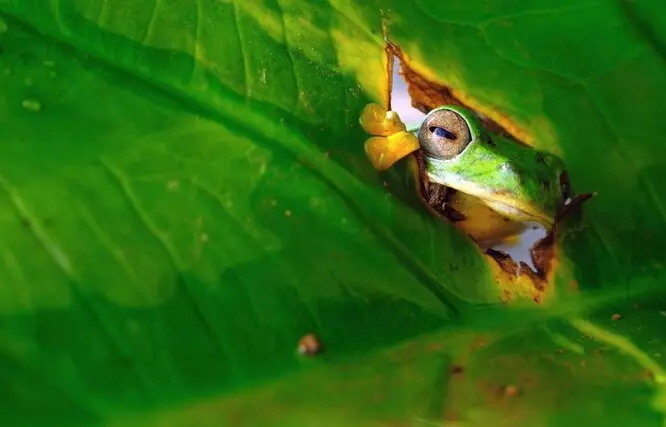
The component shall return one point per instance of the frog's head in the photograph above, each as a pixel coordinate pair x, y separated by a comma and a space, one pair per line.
517, 181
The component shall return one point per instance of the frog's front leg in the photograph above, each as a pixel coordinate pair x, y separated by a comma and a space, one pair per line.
437, 196
390, 140
572, 203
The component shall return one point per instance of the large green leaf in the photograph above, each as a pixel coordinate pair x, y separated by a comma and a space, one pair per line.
185, 194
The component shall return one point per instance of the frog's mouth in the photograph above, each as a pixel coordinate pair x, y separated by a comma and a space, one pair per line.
501, 203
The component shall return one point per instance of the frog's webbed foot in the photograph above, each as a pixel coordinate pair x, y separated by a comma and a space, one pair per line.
390, 140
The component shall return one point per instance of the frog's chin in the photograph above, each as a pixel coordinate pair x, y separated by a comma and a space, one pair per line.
501, 205
516, 214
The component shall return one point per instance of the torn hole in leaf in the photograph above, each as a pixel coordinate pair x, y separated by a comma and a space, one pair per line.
523, 252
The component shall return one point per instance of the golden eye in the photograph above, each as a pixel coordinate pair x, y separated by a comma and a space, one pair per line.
444, 135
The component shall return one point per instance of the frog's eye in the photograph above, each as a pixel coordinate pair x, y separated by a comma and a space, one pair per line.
444, 134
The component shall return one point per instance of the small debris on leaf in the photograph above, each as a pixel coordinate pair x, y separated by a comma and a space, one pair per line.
616, 316
511, 390
309, 345
457, 369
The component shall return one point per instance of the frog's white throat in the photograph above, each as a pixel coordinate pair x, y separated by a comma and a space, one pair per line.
500, 204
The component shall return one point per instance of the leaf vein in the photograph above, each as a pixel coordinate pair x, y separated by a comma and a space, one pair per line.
150, 29
198, 54
536, 12
168, 247
241, 43
290, 54
56, 254
108, 243
57, 16
142, 215
103, 13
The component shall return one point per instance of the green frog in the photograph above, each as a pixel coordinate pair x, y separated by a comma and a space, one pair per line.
514, 180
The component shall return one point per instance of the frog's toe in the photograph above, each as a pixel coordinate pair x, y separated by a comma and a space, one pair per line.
384, 152
376, 120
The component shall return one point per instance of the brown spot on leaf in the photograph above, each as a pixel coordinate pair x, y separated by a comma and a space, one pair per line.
506, 295
543, 253
616, 316
457, 370
309, 345
510, 390
478, 342
573, 285
537, 280
504, 260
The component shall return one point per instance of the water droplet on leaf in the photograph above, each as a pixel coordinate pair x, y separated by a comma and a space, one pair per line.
32, 104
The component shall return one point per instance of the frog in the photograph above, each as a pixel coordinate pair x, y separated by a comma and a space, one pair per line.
518, 182
391, 141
